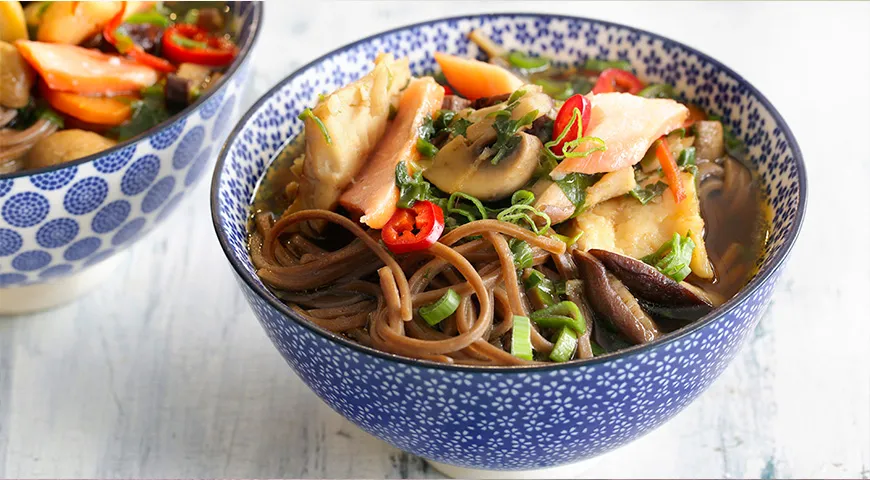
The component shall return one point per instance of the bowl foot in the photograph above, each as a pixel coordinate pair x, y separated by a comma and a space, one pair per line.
43, 296
567, 471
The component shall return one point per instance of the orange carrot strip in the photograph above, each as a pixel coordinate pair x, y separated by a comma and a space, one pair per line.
68, 68
672, 172
474, 79
97, 110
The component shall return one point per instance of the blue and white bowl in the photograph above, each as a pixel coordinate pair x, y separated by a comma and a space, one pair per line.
514, 418
59, 225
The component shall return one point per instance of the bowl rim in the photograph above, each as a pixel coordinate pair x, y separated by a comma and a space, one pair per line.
244, 51
758, 281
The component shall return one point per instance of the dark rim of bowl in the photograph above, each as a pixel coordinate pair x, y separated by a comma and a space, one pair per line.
754, 284
256, 22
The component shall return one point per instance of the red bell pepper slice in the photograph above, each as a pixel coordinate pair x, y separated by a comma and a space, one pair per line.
414, 229
563, 118
126, 46
186, 43
614, 78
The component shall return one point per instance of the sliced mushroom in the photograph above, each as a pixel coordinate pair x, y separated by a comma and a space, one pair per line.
649, 284
610, 298
710, 140
16, 77
458, 167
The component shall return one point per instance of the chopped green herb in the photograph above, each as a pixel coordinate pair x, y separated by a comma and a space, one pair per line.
541, 287
574, 187
506, 133
308, 114
514, 98
147, 113
476, 211
412, 188
522, 253
426, 148
673, 258
459, 126
686, 160
646, 194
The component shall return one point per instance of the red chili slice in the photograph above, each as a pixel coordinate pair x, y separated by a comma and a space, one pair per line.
130, 49
186, 43
413, 229
564, 117
613, 79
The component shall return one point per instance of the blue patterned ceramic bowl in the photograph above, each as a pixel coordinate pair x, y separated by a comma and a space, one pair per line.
521, 417
57, 222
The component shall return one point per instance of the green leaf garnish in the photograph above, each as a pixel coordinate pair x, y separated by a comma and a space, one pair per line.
506, 133
673, 258
646, 194
574, 187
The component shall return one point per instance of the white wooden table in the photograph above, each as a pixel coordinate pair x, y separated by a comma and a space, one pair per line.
164, 371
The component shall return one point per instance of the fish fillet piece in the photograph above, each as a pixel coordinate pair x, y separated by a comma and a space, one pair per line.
355, 118
629, 125
622, 225
373, 193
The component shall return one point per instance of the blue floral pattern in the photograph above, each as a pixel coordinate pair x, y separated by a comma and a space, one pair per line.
528, 417
60, 221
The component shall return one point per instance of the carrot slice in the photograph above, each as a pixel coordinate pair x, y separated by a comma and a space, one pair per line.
97, 110
373, 193
69, 68
474, 79
672, 172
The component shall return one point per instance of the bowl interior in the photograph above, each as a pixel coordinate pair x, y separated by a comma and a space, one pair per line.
273, 121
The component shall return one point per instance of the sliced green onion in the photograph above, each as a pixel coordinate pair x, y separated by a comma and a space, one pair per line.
521, 338
516, 95
598, 145
533, 279
566, 345
522, 253
434, 313
524, 213
673, 258
561, 287
527, 62
562, 314
153, 17
555, 89
596, 349
657, 90
686, 160
522, 197
597, 65
306, 114
454, 207
426, 148
541, 288
566, 239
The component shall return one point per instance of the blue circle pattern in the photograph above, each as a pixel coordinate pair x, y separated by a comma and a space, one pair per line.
158, 194
56, 271
198, 167
99, 257
140, 175
188, 147
111, 216
57, 232
82, 249
167, 137
86, 195
31, 260
25, 209
212, 105
223, 122
54, 180
10, 242
525, 418
5, 186
9, 279
116, 160
128, 231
